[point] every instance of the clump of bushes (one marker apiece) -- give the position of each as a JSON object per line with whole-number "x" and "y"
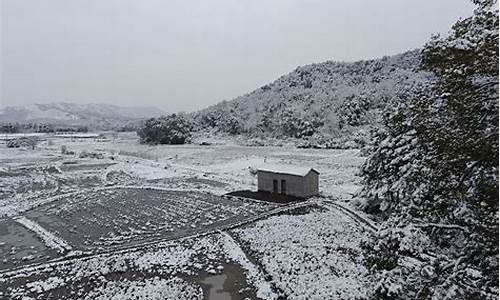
{"x": 173, "y": 129}
{"x": 23, "y": 142}
{"x": 87, "y": 154}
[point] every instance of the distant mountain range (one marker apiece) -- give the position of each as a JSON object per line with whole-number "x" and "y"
{"x": 329, "y": 99}
{"x": 94, "y": 116}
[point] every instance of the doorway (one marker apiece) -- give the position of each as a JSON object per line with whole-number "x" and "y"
{"x": 275, "y": 186}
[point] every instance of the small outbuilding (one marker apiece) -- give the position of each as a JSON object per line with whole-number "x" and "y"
{"x": 288, "y": 180}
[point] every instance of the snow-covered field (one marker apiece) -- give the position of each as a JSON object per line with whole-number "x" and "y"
{"x": 115, "y": 219}
{"x": 310, "y": 255}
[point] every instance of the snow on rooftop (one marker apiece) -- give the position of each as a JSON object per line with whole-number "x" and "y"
{"x": 286, "y": 169}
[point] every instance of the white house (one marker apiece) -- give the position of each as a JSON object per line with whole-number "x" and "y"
{"x": 288, "y": 180}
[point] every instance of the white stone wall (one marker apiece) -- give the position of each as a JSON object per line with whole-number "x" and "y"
{"x": 311, "y": 184}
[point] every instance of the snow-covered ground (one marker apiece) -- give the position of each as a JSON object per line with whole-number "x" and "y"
{"x": 315, "y": 255}
{"x": 113, "y": 217}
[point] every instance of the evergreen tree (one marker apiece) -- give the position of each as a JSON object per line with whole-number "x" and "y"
{"x": 433, "y": 172}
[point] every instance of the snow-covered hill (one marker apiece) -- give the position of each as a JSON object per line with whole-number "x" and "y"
{"x": 334, "y": 99}
{"x": 96, "y": 116}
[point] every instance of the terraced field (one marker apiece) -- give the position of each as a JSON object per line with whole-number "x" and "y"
{"x": 117, "y": 216}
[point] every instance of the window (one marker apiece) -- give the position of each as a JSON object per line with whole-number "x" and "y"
{"x": 283, "y": 186}
{"x": 275, "y": 186}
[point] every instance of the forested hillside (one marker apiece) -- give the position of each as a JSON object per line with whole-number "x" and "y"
{"x": 319, "y": 101}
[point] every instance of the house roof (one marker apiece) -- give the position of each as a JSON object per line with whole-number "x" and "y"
{"x": 287, "y": 169}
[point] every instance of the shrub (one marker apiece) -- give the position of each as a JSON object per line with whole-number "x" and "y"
{"x": 172, "y": 129}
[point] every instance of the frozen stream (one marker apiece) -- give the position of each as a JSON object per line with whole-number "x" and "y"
{"x": 216, "y": 287}
{"x": 229, "y": 285}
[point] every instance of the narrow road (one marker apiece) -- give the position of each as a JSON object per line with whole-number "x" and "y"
{"x": 368, "y": 224}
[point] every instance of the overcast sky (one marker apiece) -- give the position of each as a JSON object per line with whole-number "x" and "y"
{"x": 188, "y": 54}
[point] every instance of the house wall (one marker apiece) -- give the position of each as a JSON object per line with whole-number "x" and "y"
{"x": 295, "y": 185}
{"x": 311, "y": 184}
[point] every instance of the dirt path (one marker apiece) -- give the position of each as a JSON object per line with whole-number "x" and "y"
{"x": 368, "y": 224}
